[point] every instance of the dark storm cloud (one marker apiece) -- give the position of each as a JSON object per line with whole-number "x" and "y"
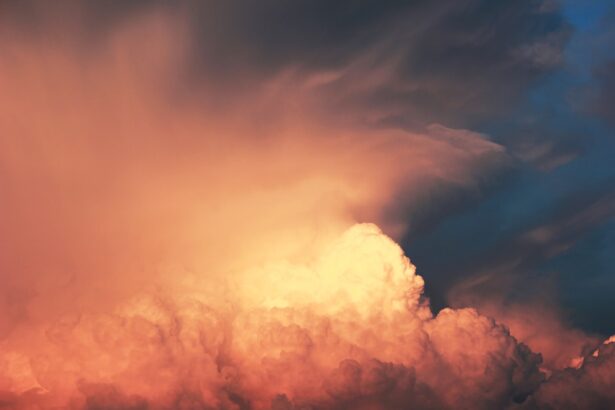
{"x": 542, "y": 146}
{"x": 448, "y": 61}
{"x": 556, "y": 230}
{"x": 424, "y": 211}
{"x": 593, "y": 53}
{"x": 403, "y": 62}
{"x": 602, "y": 99}
{"x": 503, "y": 270}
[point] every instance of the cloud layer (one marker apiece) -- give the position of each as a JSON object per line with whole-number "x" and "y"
{"x": 183, "y": 215}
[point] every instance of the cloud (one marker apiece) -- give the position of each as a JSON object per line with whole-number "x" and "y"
{"x": 602, "y": 96}
{"x": 366, "y": 339}
{"x": 404, "y": 63}
{"x": 541, "y": 326}
{"x": 183, "y": 224}
{"x": 495, "y": 281}
{"x": 586, "y": 387}
{"x": 134, "y": 176}
{"x": 550, "y": 235}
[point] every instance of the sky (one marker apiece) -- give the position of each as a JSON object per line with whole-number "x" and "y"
{"x": 566, "y": 176}
{"x": 307, "y": 205}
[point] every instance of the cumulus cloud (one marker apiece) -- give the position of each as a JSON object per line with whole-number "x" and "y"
{"x": 365, "y": 340}
{"x": 586, "y": 387}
